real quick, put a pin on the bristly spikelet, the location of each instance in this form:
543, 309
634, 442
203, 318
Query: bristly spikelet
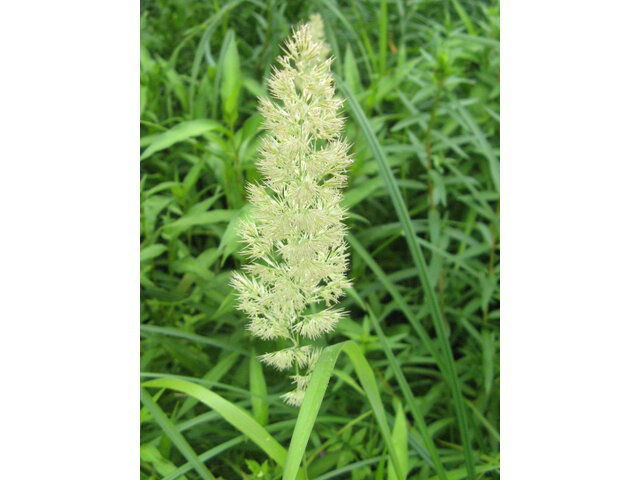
295, 240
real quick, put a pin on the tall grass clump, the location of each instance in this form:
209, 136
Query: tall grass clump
295, 239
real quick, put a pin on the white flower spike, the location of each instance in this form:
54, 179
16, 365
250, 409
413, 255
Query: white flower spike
295, 239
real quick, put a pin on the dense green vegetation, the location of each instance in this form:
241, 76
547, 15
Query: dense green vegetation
415, 391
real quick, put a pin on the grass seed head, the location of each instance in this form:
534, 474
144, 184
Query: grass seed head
295, 239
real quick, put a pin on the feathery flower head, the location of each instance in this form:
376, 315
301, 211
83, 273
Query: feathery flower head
295, 239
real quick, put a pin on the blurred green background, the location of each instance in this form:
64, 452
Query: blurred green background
425, 75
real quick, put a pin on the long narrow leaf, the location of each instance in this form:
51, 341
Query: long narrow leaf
208, 455
179, 133
236, 416
175, 436
172, 332
313, 399
421, 265
406, 391
212, 24
399, 436
395, 294
258, 388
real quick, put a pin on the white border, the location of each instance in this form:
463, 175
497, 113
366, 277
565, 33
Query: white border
570, 245
69, 240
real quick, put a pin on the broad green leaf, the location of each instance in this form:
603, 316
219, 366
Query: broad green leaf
231, 81
199, 219
151, 208
195, 267
180, 133
212, 23
256, 89
192, 177
152, 251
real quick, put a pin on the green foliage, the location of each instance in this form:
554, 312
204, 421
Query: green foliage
421, 81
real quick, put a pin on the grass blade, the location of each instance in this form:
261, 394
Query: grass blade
206, 37
151, 252
223, 365
399, 299
180, 133
230, 83
468, 24
421, 265
399, 438
209, 454
382, 39
175, 436
406, 390
480, 140
490, 428
331, 5
258, 387
315, 394
460, 473
150, 454
236, 416
172, 332
194, 219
